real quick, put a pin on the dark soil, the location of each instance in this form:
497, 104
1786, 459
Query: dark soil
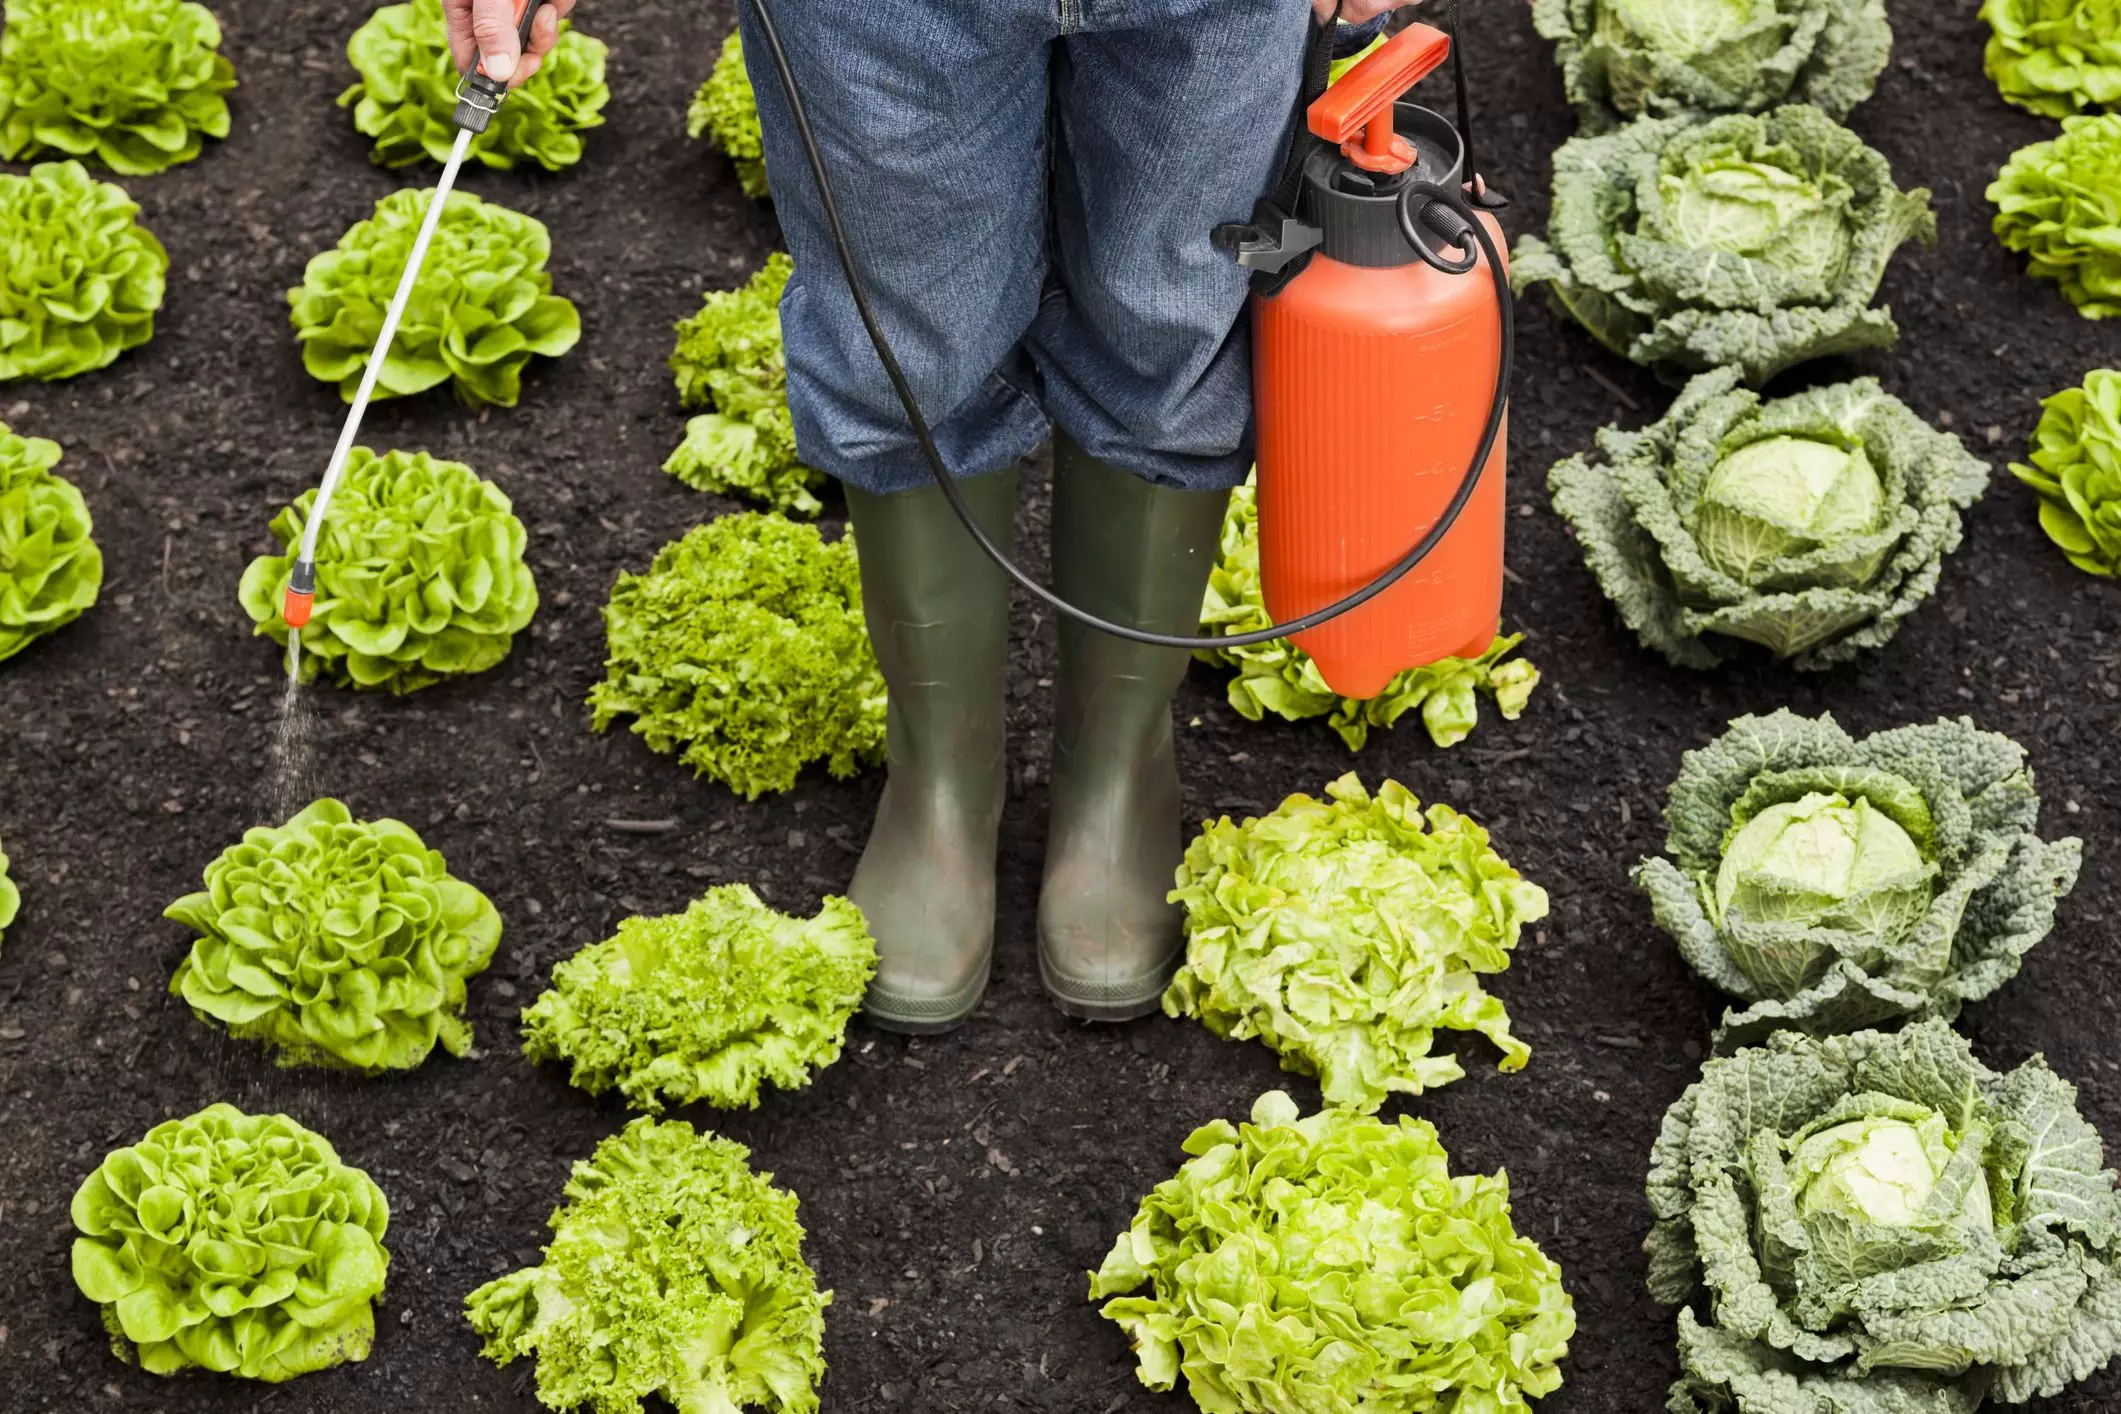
955, 1189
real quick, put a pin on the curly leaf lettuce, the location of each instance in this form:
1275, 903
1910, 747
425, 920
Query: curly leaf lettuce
337, 942
2076, 469
50, 568
730, 355
1812, 525
1884, 1226
674, 1270
1345, 932
2055, 57
727, 111
2059, 203
235, 1243
1333, 1263
420, 575
407, 94
1833, 884
135, 85
80, 279
482, 306
1623, 59
1749, 241
1281, 678
743, 650
707, 1005
10, 897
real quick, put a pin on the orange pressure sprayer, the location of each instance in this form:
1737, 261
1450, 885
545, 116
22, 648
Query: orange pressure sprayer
1374, 368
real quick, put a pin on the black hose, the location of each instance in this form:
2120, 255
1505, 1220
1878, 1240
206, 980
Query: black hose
1498, 408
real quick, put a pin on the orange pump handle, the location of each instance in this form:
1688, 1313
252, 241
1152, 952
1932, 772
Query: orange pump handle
1357, 111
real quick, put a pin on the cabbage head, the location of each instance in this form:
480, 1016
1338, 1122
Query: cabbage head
2056, 57
1333, 1263
674, 1271
1812, 525
1833, 884
80, 279
50, 568
134, 85
337, 942
482, 306
1279, 677
2059, 203
235, 1243
1750, 241
730, 355
1624, 59
709, 1004
406, 97
743, 650
10, 897
1883, 1225
420, 575
727, 111
2076, 469
1346, 932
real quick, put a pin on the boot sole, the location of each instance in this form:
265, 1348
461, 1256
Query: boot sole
1105, 1003
927, 1016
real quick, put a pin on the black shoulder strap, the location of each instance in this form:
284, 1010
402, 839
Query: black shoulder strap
1318, 73
1480, 194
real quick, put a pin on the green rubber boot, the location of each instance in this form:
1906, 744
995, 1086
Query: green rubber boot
1138, 554
938, 613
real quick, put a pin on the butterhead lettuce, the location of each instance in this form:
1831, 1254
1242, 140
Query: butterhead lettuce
2059, 203
729, 356
50, 566
136, 86
726, 110
80, 278
2076, 470
1334, 1263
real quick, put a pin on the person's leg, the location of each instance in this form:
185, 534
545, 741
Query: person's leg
932, 117
1171, 123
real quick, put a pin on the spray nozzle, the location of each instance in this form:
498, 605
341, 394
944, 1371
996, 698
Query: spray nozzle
1357, 112
480, 97
301, 594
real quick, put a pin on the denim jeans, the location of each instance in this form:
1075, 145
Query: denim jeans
1095, 301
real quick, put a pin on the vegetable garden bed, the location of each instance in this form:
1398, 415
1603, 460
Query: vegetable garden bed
956, 1191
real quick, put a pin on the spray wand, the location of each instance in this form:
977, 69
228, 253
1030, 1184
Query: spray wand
478, 99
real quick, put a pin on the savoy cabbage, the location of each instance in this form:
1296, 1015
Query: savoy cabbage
1812, 525
1883, 1225
1753, 241
1623, 59
1833, 883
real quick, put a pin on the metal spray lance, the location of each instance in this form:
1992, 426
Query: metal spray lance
478, 99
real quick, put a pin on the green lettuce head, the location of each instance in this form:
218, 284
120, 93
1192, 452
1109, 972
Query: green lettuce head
728, 113
1279, 677
743, 650
2059, 203
407, 94
2056, 57
1346, 932
50, 568
2077, 471
135, 85
233, 1243
707, 1005
420, 575
730, 355
1883, 1225
1750, 241
336, 942
1334, 1263
10, 896
482, 306
674, 1270
1834, 884
1623, 59
80, 279
1812, 525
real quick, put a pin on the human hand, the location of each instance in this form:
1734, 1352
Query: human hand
489, 27
1356, 12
